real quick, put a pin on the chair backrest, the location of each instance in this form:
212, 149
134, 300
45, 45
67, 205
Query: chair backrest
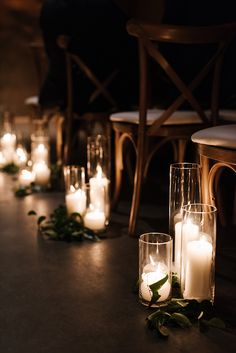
40, 60
150, 37
79, 74
101, 87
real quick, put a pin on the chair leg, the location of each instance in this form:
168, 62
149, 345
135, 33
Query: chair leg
118, 170
214, 188
138, 180
204, 162
59, 137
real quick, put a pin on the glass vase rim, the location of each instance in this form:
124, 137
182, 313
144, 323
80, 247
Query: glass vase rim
77, 166
169, 238
211, 208
185, 165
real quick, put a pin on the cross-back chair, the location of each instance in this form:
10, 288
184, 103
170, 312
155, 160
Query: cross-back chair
216, 147
40, 62
101, 89
170, 124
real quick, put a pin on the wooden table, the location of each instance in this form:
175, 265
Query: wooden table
59, 297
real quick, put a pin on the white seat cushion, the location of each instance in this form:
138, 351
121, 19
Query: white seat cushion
178, 118
34, 100
220, 136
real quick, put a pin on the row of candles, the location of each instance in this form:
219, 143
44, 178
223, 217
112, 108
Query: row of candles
192, 225
189, 250
37, 168
90, 200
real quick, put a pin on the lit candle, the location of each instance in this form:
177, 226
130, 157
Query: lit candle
40, 153
98, 190
190, 232
148, 278
20, 156
198, 269
8, 140
76, 201
42, 173
95, 220
2, 160
26, 177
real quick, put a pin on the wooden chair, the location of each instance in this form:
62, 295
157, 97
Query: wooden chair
101, 88
40, 61
53, 116
217, 150
171, 124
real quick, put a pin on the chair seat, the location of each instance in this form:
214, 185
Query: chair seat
32, 101
228, 115
221, 136
178, 118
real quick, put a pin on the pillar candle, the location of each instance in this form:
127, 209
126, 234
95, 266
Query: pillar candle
149, 278
40, 153
26, 177
198, 269
42, 173
190, 231
20, 156
95, 220
8, 140
76, 202
98, 190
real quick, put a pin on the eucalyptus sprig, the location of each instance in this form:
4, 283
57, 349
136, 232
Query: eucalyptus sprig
23, 191
184, 314
61, 226
10, 168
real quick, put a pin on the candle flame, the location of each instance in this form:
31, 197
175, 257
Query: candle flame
99, 172
21, 154
8, 136
72, 188
41, 147
151, 260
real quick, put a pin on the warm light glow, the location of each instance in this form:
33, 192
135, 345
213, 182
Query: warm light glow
21, 155
99, 172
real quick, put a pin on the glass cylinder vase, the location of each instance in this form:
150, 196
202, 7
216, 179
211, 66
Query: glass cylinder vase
155, 268
40, 147
184, 188
96, 217
7, 140
74, 177
98, 156
198, 252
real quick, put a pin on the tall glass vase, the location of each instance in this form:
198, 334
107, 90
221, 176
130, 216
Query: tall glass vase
184, 188
198, 252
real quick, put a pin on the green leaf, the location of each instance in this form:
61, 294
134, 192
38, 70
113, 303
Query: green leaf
155, 315
216, 322
51, 233
181, 319
62, 226
40, 220
162, 330
10, 168
32, 213
154, 288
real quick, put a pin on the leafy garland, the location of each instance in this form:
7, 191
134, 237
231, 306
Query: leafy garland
62, 226
10, 168
184, 314
180, 312
55, 181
